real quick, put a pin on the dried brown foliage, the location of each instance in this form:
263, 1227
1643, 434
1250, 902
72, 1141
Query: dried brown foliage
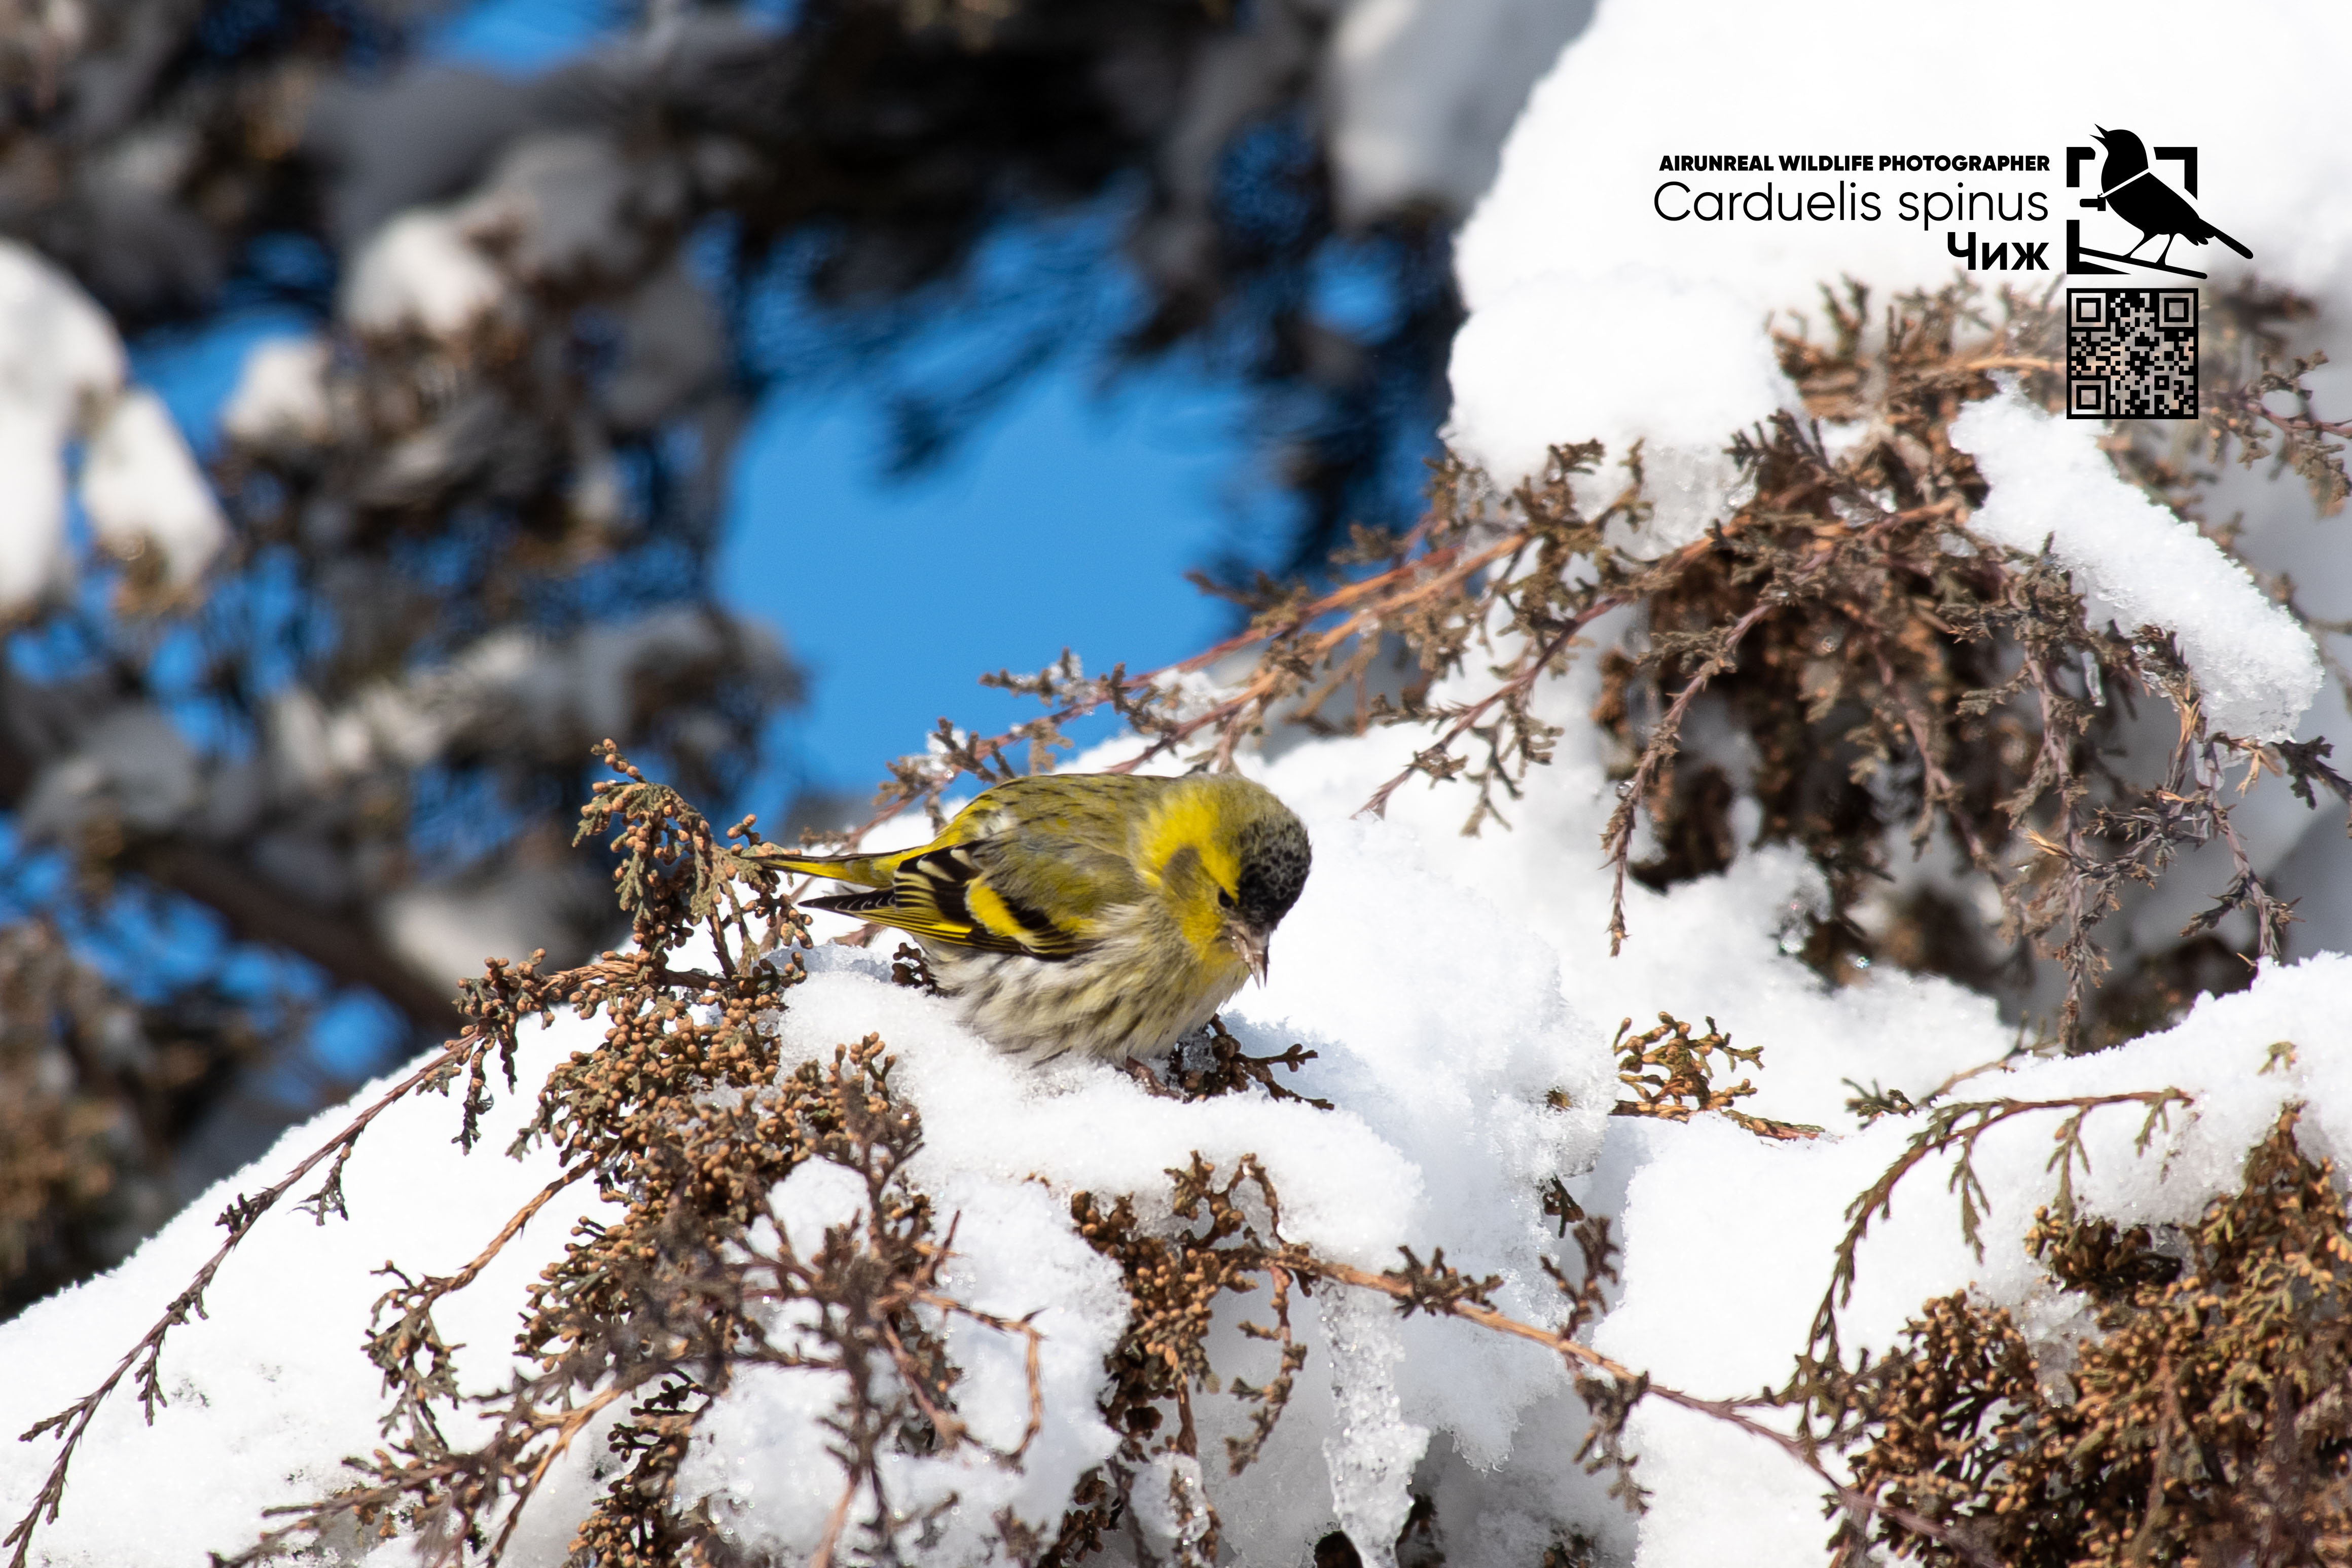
1896, 681
2204, 1422
2256, 364
97, 1087
683, 1123
1212, 1062
1667, 1070
62, 1146
1828, 1396
1896, 677
1174, 1280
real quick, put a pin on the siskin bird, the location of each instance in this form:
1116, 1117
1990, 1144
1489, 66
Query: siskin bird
1094, 913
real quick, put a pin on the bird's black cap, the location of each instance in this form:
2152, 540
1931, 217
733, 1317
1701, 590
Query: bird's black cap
1274, 857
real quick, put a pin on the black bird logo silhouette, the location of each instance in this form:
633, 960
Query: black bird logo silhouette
2134, 192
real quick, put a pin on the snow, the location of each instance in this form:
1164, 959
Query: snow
1447, 984
141, 487
58, 358
61, 377
1424, 91
1571, 276
563, 693
130, 765
280, 397
1712, 1216
1594, 316
1016, 1254
2257, 669
566, 208
1541, 366
1458, 992
32, 511
1373, 1449
270, 1387
557, 210
444, 926
420, 272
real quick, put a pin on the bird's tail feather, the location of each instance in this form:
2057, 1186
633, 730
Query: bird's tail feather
863, 871
862, 904
2233, 244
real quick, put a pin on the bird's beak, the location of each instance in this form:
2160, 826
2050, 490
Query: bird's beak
2099, 134
1252, 944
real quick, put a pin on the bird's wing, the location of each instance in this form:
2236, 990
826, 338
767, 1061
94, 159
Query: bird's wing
949, 895
1036, 865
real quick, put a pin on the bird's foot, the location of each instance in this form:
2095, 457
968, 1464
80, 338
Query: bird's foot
1142, 1074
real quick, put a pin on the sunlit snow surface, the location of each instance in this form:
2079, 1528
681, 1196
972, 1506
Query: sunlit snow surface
1592, 315
1447, 983
61, 379
2257, 669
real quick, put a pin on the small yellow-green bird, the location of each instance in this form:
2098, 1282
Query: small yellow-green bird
1089, 912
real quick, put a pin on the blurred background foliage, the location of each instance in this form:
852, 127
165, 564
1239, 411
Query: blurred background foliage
735, 381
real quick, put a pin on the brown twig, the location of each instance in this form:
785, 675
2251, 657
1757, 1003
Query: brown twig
1732, 1413
240, 1219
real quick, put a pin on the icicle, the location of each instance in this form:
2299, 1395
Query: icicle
1373, 1451
1172, 1504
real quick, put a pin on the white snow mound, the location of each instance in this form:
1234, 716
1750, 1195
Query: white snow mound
2257, 669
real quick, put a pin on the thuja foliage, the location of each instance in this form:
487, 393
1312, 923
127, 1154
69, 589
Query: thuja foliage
1173, 1283
1903, 687
2203, 1421
1898, 681
74, 1158
1229, 1241
683, 1121
1667, 1070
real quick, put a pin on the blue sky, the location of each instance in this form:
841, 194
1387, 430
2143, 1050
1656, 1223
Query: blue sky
1068, 517
1069, 521
518, 38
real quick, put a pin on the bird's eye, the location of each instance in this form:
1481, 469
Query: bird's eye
1224, 898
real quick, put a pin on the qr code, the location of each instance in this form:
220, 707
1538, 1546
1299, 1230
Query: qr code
2131, 353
